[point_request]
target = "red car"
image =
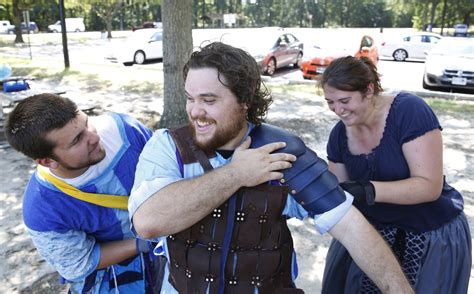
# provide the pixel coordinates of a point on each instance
(319, 58)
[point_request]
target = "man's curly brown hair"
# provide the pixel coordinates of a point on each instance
(241, 75)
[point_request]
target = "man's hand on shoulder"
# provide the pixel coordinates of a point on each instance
(257, 166)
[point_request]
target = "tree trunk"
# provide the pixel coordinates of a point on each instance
(300, 13)
(108, 25)
(424, 16)
(109, 30)
(443, 15)
(325, 12)
(467, 16)
(195, 14)
(16, 21)
(433, 12)
(177, 47)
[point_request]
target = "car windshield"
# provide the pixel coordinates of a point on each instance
(454, 48)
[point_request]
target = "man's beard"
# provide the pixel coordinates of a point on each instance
(223, 134)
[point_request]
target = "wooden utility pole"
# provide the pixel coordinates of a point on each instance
(63, 33)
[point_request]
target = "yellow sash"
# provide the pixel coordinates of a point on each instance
(112, 201)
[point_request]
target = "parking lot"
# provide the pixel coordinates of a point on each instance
(90, 48)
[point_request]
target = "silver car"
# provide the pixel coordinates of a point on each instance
(450, 64)
(409, 46)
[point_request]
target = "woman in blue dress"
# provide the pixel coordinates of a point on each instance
(387, 151)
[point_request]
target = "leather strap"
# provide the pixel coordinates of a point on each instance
(105, 200)
(188, 149)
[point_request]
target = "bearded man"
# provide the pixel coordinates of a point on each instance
(216, 193)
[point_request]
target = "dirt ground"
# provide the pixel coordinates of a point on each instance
(23, 271)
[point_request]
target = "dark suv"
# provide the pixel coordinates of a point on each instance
(33, 28)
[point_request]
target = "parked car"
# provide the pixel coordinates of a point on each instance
(460, 30)
(5, 25)
(272, 48)
(409, 46)
(450, 64)
(317, 58)
(33, 28)
(140, 46)
(72, 25)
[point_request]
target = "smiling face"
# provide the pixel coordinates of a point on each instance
(352, 107)
(216, 118)
(77, 146)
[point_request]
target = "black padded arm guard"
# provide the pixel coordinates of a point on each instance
(310, 182)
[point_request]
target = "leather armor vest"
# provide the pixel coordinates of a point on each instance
(242, 244)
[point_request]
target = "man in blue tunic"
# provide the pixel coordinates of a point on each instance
(75, 204)
(215, 195)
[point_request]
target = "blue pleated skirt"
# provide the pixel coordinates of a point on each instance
(437, 261)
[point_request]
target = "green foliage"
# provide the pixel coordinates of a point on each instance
(116, 14)
(367, 13)
(255, 13)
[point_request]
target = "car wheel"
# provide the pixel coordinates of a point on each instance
(299, 59)
(400, 55)
(128, 63)
(139, 57)
(271, 67)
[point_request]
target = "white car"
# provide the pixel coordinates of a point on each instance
(450, 65)
(411, 46)
(72, 25)
(140, 46)
(5, 26)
